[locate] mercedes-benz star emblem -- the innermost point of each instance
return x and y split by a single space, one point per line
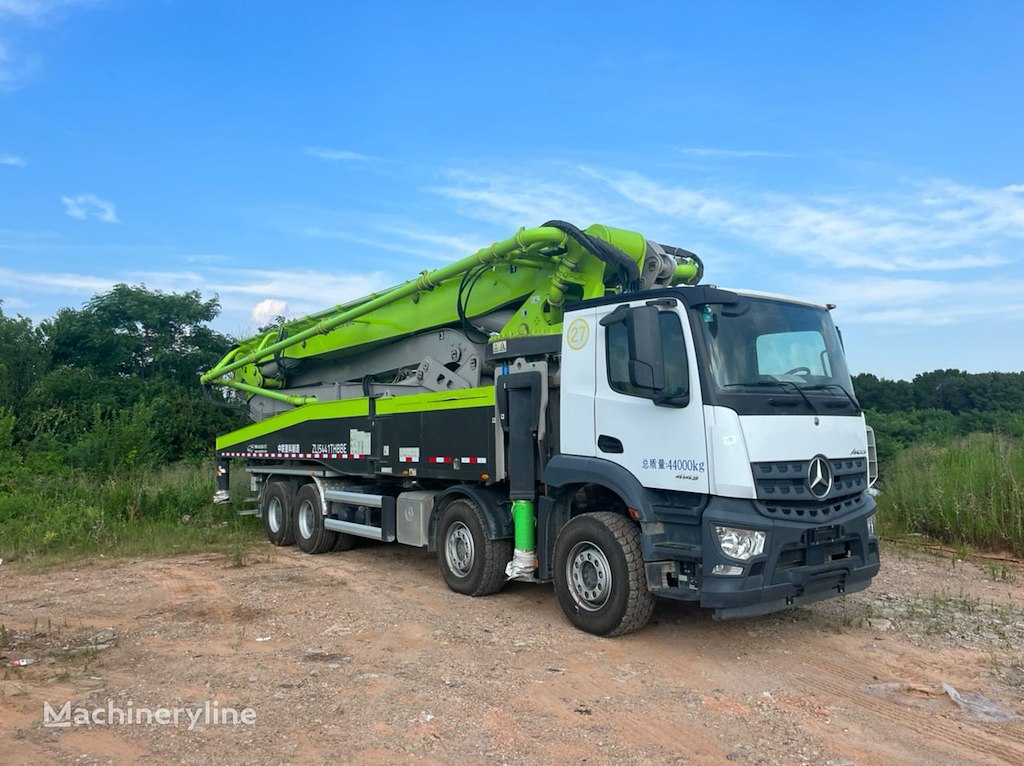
819 477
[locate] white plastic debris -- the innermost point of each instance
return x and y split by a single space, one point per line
981 709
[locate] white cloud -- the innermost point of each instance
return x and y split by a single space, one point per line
36 10
337 155
17 304
207 258
302 292
17 69
920 302
695 151
452 244
930 226
55 283
267 310
308 287
243 293
12 159
86 206
448 248
510 200
12 70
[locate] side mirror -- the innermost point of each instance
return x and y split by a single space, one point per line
646 362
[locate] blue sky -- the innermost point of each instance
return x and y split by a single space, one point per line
287 157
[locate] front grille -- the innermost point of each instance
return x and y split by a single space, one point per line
784 491
815 512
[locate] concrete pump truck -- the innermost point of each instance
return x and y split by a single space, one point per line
572 406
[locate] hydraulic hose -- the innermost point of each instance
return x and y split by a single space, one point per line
628 270
681 253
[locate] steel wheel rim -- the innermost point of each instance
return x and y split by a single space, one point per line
275 515
589 576
459 550
306 520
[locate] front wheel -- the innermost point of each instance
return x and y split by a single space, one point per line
599 575
470 563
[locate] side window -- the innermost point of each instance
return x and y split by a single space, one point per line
673 349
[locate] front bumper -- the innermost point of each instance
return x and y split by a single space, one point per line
802 561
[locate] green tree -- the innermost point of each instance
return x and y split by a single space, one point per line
134 332
883 394
23 358
115 383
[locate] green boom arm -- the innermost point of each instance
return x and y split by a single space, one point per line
537 270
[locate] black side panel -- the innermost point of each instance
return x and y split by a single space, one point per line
518 398
453 444
445 440
389 518
536 345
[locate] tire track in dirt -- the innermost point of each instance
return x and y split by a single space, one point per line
188 591
959 737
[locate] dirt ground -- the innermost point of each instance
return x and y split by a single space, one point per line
365 657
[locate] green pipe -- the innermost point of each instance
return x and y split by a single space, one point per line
685 273
567 267
525 521
524 238
295 399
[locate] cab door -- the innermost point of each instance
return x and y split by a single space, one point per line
649 420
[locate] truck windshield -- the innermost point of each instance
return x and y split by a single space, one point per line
775 344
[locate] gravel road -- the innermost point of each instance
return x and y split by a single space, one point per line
365 657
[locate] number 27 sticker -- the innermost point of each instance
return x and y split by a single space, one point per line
577 334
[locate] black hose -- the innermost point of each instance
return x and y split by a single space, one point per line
628 272
679 252
469 280
285 366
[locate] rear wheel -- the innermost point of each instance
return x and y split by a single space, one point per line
599 575
310 534
470 563
276 512
345 542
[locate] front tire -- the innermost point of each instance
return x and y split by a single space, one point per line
276 512
469 562
310 534
599 575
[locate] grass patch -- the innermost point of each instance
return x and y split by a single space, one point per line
967 493
142 512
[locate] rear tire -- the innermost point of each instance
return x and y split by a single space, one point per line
345 542
310 534
276 512
599 575
470 563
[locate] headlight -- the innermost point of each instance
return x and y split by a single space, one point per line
871 526
741 544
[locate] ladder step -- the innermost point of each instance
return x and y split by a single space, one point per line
351 528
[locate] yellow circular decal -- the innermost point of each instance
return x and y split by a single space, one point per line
577 334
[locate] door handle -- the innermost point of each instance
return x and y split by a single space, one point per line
607 443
